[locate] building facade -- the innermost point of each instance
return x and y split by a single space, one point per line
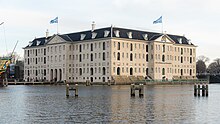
117 54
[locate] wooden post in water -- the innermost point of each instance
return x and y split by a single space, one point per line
198 89
76 90
203 90
132 90
67 90
195 90
141 90
207 90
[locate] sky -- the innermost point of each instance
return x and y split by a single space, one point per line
25 20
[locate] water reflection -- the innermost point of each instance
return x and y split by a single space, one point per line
103 104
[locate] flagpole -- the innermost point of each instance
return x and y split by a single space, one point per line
57 28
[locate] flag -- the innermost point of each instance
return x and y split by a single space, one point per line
159 20
54 20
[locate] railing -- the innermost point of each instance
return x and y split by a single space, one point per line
173 81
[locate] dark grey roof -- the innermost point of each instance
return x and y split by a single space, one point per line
123 33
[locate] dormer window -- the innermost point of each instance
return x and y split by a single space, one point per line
38 43
30 43
189 42
93 35
82 36
117 33
129 35
106 33
145 36
180 40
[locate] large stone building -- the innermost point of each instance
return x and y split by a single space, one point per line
117 54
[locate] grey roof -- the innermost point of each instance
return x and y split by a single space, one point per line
123 33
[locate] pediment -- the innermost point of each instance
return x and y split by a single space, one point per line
55 40
164 38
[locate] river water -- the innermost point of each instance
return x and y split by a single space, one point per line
108 104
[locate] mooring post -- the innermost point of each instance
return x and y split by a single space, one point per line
207 91
198 89
67 90
132 90
76 90
109 82
203 90
141 90
195 90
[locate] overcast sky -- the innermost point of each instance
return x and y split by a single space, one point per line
198 20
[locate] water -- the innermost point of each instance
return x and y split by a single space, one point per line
104 104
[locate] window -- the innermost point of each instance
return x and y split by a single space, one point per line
164 48
181 51
44 51
163 58
146 57
91 47
80 58
131 57
44 60
91 57
28 53
118 45
131 47
118 71
190 51
91 71
80 71
118 56
190 60
80 48
147 71
181 59
103 45
146 48
36 52
163 71
131 71
103 56
103 71
190 72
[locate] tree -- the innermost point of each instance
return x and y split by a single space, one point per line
203 58
200 67
214 67
200 64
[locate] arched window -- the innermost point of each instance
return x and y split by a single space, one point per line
103 56
118 45
163 58
146 71
131 47
146 57
181 51
190 60
163 71
91 57
103 44
80 71
190 72
103 71
118 71
91 71
131 71
131 57
118 56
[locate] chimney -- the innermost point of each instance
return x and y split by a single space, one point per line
47 33
93 26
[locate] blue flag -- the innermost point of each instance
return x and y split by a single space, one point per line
54 20
158 20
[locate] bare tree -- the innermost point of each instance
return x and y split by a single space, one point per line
203 58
